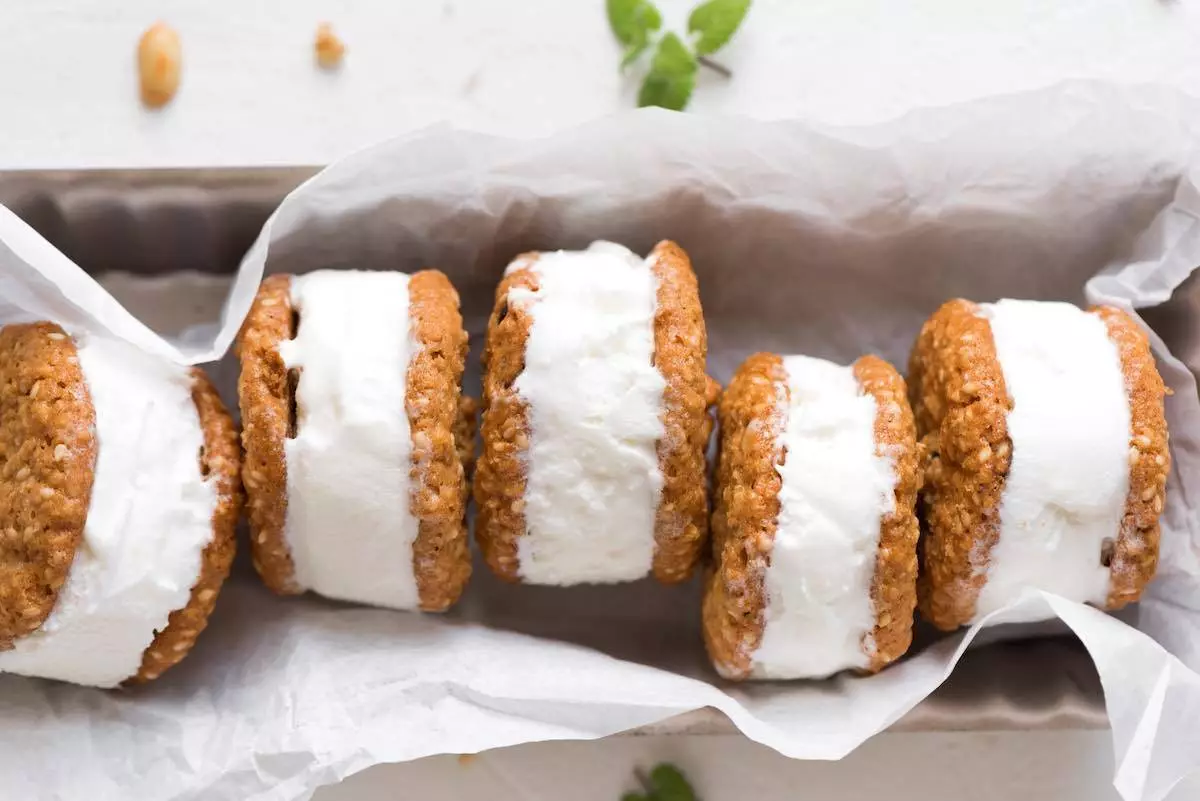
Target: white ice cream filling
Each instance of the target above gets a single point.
(836, 489)
(349, 524)
(1069, 424)
(594, 400)
(150, 518)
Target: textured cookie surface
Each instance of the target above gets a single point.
(680, 352)
(265, 395)
(961, 406)
(752, 418)
(1134, 556)
(499, 484)
(220, 462)
(440, 432)
(894, 587)
(47, 466)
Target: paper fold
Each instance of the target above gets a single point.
(37, 282)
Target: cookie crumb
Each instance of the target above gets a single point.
(160, 61)
(329, 49)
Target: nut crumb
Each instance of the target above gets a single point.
(329, 48)
(160, 59)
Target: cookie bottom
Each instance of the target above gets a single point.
(220, 462)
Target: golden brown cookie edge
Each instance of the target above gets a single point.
(265, 396)
(48, 461)
(894, 584)
(441, 554)
(961, 405)
(500, 475)
(746, 512)
(1134, 557)
(680, 353)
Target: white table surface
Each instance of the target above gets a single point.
(251, 96)
(980, 766)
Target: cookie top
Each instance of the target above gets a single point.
(680, 354)
(746, 513)
(47, 466)
(500, 475)
(443, 440)
(220, 461)
(266, 395)
(961, 405)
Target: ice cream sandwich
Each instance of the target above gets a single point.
(1048, 460)
(595, 419)
(119, 494)
(357, 437)
(814, 531)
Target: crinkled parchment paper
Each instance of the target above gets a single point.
(831, 242)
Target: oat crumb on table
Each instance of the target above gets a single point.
(330, 50)
(160, 62)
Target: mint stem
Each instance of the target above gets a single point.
(716, 67)
(644, 780)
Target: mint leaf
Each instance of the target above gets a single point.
(633, 21)
(669, 784)
(672, 76)
(716, 22)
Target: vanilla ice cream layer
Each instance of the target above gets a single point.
(150, 518)
(594, 398)
(836, 489)
(349, 524)
(1070, 428)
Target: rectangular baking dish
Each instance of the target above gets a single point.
(166, 242)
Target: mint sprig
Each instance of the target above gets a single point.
(671, 77)
(665, 783)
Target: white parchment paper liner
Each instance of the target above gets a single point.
(831, 242)
(37, 282)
